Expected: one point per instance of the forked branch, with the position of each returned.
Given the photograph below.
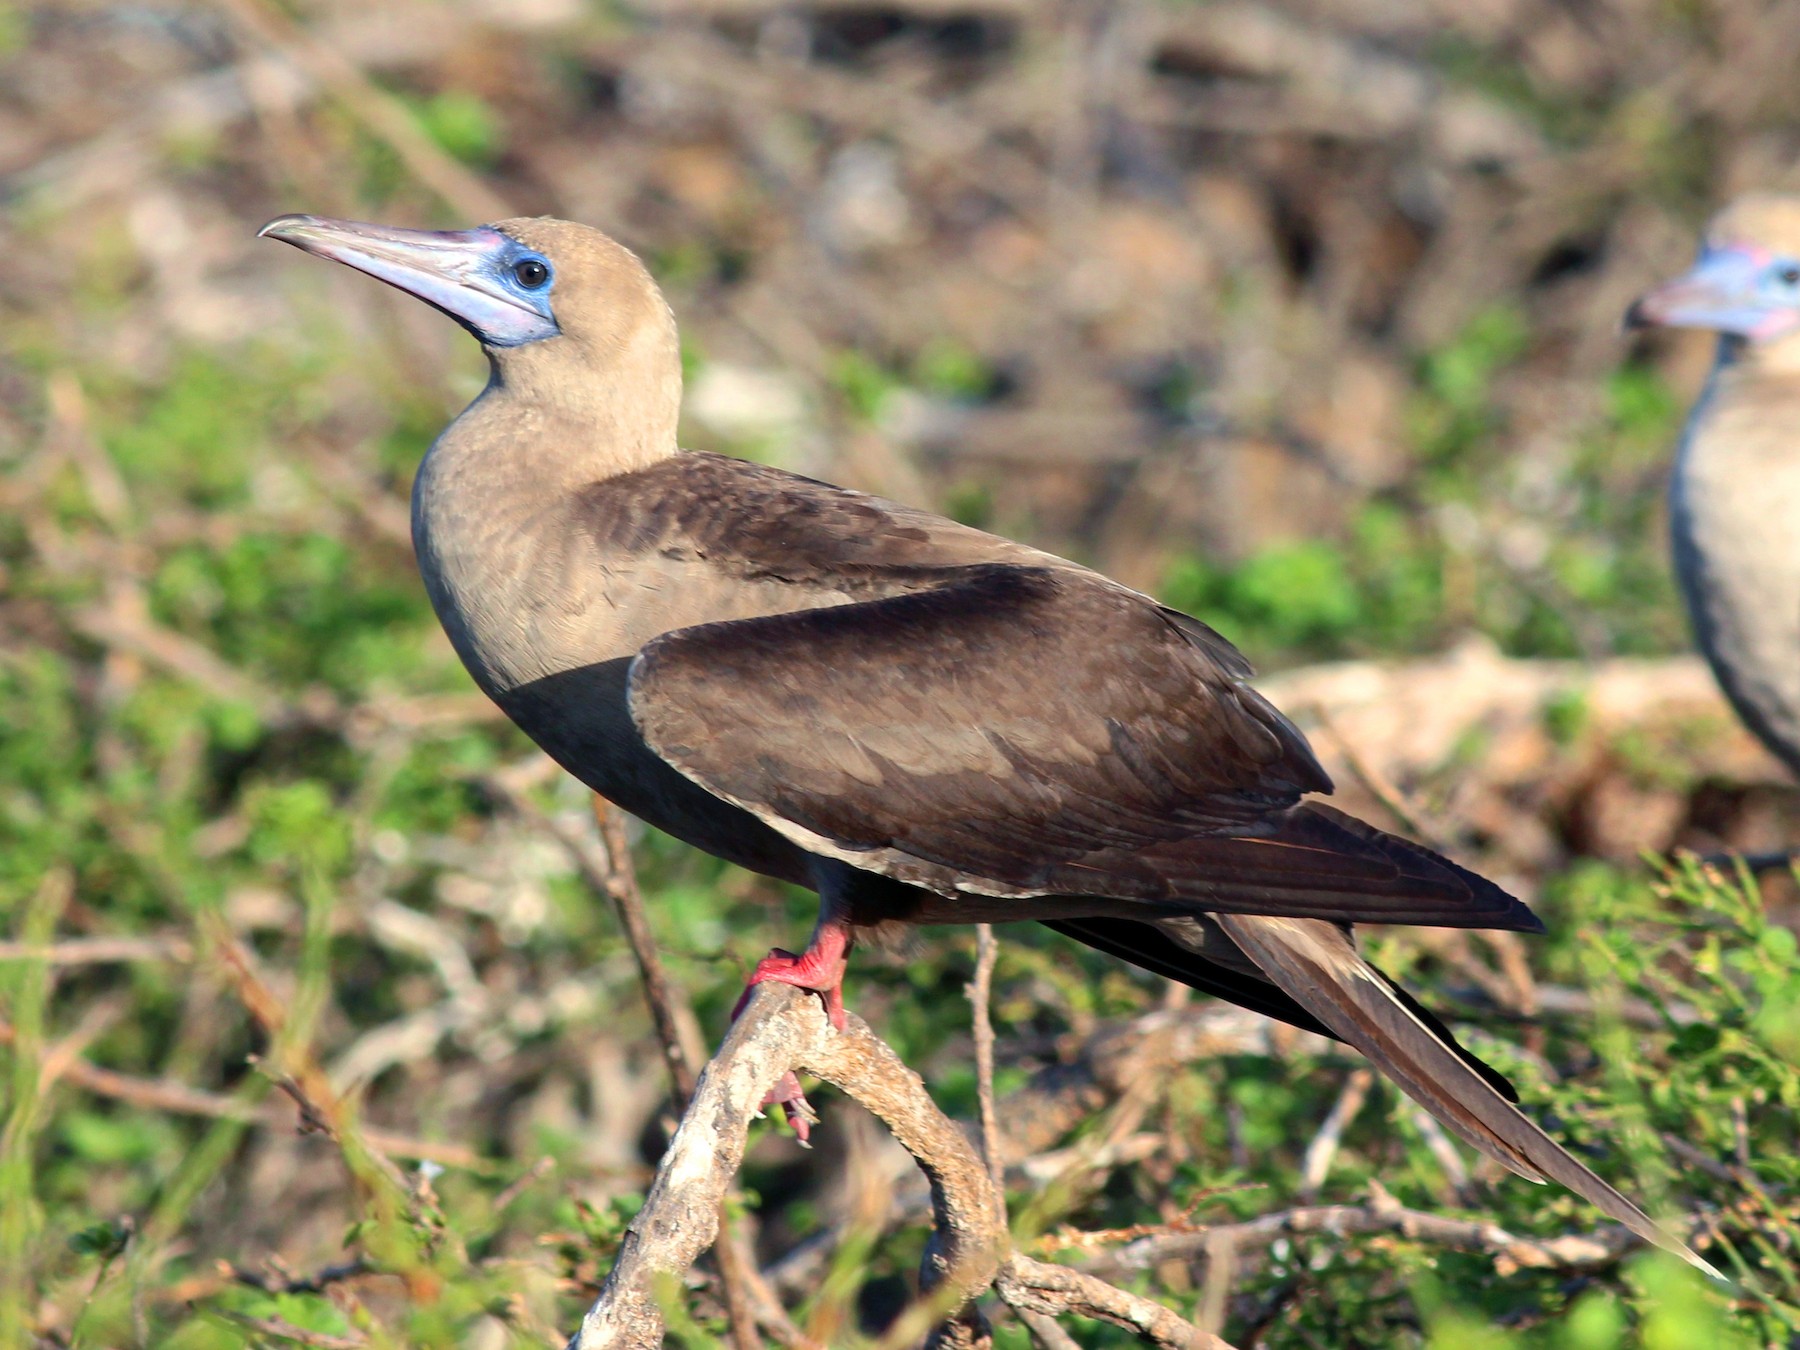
(782, 1030)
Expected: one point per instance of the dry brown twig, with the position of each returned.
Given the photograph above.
(380, 112)
(1382, 1214)
(1316, 1164)
(981, 989)
(157, 1094)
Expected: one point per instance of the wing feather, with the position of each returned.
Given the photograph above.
(1025, 730)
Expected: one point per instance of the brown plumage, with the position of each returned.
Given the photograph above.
(921, 721)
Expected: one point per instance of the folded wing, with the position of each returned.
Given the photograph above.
(1014, 730)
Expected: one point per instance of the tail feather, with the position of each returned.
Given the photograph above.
(1147, 946)
(1317, 966)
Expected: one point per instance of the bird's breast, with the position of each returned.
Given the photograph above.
(1734, 518)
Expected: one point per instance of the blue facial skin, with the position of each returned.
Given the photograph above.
(529, 278)
(487, 281)
(1736, 289)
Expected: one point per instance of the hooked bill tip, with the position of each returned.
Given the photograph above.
(274, 229)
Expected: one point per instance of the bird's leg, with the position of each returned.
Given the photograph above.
(819, 968)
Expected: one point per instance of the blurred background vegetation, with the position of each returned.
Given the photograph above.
(1302, 315)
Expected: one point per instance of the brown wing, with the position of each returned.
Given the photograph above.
(1022, 730)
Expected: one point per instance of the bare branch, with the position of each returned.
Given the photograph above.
(681, 1214)
(100, 950)
(1384, 1214)
(157, 1094)
(1319, 1154)
(1039, 1287)
(981, 989)
(1045, 1333)
(618, 881)
(605, 865)
(379, 111)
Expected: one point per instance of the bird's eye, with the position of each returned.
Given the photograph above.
(1789, 275)
(531, 273)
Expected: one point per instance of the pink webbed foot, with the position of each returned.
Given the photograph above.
(819, 968)
(799, 1112)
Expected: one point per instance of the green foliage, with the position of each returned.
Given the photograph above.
(1290, 595)
(953, 371)
(186, 436)
(1571, 568)
(863, 383)
(14, 27)
(461, 122)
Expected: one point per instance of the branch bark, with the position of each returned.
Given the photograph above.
(1383, 1214)
(782, 1030)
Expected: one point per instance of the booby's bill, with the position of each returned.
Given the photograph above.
(492, 285)
(1735, 287)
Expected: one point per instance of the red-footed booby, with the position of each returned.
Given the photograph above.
(1734, 498)
(919, 721)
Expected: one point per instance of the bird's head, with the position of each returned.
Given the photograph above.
(565, 313)
(1746, 281)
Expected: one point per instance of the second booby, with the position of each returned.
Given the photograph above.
(1734, 498)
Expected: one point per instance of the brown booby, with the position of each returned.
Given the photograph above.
(1734, 498)
(921, 722)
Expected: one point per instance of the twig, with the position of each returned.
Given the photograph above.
(1384, 1214)
(1093, 1239)
(618, 881)
(748, 1299)
(604, 861)
(1038, 1286)
(540, 1169)
(124, 623)
(298, 1073)
(100, 950)
(980, 992)
(1383, 789)
(281, 1283)
(1439, 1144)
(1089, 1074)
(1316, 1164)
(782, 1030)
(779, 1030)
(1045, 1333)
(158, 1094)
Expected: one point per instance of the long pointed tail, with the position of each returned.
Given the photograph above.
(1315, 963)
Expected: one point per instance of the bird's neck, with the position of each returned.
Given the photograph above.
(1739, 459)
(1749, 362)
(548, 422)
(495, 504)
